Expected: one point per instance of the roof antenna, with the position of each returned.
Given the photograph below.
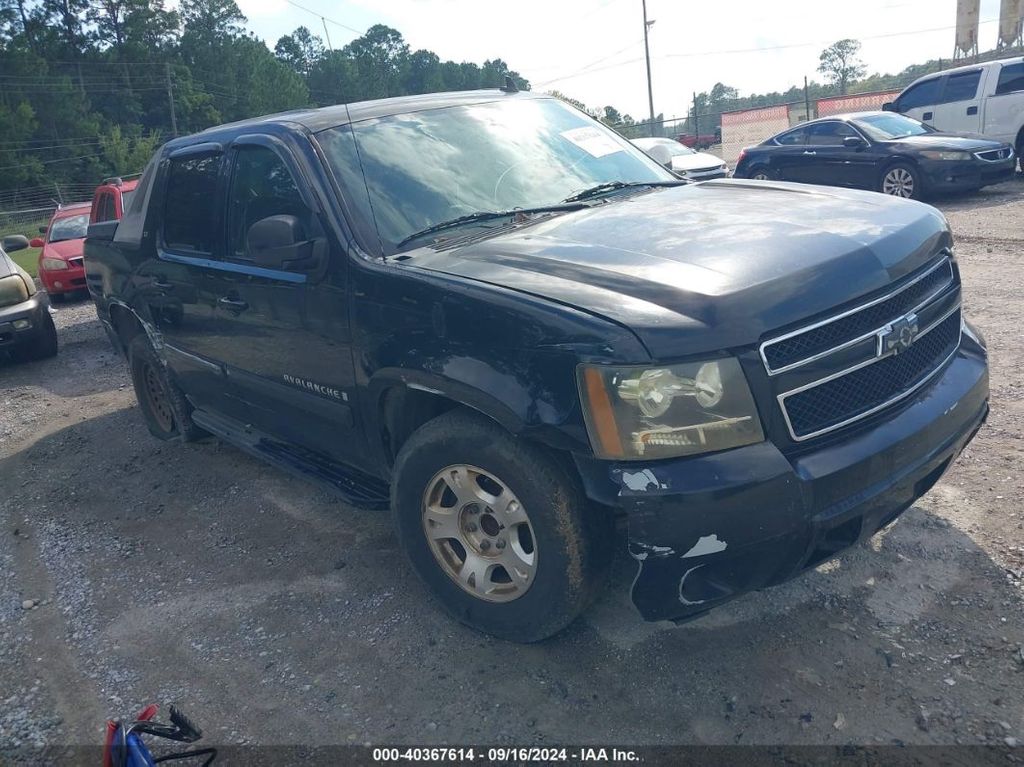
(509, 86)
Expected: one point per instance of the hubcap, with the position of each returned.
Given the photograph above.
(156, 398)
(479, 533)
(761, 176)
(899, 182)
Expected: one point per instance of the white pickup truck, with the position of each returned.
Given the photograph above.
(980, 98)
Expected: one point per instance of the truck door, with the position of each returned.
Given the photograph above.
(959, 108)
(173, 284)
(919, 101)
(281, 333)
(1004, 108)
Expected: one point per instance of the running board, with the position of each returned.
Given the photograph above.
(355, 488)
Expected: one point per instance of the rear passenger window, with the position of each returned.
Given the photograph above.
(793, 137)
(1011, 79)
(924, 94)
(829, 134)
(961, 87)
(190, 219)
(261, 186)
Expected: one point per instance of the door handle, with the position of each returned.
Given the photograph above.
(972, 110)
(161, 284)
(233, 304)
(926, 116)
(808, 152)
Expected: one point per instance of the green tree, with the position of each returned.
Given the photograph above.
(301, 50)
(841, 64)
(380, 58)
(126, 154)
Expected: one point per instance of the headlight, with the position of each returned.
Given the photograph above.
(53, 264)
(937, 155)
(666, 411)
(12, 290)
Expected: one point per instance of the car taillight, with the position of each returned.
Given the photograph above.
(743, 153)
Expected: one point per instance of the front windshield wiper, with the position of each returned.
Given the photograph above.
(488, 215)
(611, 186)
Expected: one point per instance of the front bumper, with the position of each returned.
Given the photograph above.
(940, 176)
(704, 530)
(61, 281)
(20, 323)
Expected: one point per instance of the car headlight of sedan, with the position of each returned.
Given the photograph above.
(651, 412)
(53, 264)
(934, 154)
(12, 290)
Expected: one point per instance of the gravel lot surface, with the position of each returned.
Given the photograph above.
(277, 615)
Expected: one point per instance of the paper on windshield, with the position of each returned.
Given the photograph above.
(592, 141)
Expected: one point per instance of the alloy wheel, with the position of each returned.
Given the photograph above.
(156, 398)
(479, 533)
(899, 182)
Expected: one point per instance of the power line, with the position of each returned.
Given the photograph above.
(587, 70)
(324, 18)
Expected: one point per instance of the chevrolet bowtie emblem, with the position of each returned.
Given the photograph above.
(897, 336)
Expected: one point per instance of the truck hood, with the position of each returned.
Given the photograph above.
(706, 267)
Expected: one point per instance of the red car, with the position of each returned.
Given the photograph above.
(61, 264)
(112, 198)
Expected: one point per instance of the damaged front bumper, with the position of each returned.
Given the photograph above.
(704, 530)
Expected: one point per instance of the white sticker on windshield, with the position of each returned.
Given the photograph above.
(592, 141)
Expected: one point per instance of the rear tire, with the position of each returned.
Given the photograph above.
(168, 414)
(901, 179)
(516, 552)
(760, 173)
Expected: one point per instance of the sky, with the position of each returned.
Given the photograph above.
(592, 50)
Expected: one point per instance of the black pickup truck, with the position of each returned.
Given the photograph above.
(495, 316)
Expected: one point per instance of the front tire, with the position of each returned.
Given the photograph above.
(43, 346)
(901, 179)
(168, 414)
(498, 530)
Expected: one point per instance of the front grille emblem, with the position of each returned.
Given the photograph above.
(897, 336)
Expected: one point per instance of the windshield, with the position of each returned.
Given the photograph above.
(428, 167)
(70, 228)
(890, 126)
(674, 147)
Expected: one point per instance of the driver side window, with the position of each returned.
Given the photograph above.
(261, 186)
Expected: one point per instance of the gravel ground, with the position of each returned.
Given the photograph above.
(277, 615)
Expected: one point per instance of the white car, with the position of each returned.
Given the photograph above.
(981, 98)
(683, 161)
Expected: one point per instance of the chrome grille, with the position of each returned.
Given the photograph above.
(811, 343)
(834, 402)
(995, 155)
(848, 366)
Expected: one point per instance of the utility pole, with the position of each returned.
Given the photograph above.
(696, 121)
(170, 100)
(647, 55)
(807, 101)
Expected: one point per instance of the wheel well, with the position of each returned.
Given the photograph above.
(404, 410)
(125, 324)
(1020, 138)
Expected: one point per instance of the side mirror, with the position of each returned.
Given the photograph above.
(36, 242)
(853, 142)
(15, 242)
(661, 155)
(279, 242)
(42, 230)
(889, 106)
